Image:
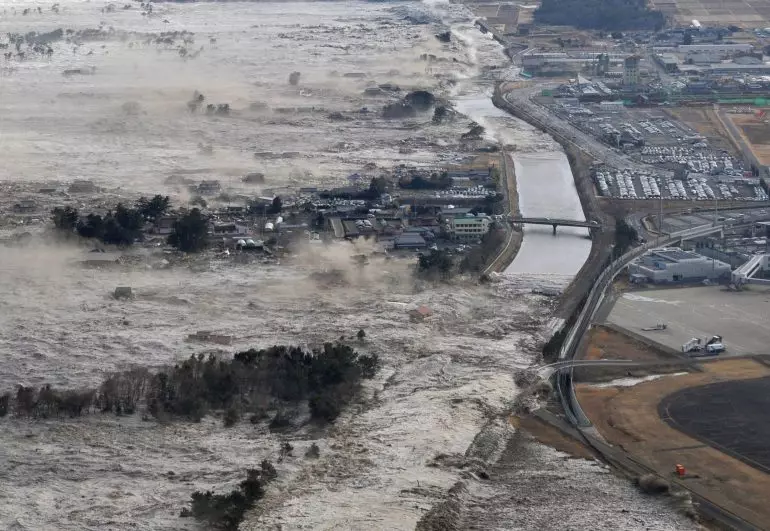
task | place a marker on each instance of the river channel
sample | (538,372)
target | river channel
(546,188)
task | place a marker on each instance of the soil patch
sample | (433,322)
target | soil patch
(731,416)
(629,419)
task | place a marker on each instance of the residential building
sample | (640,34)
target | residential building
(228,230)
(165,225)
(468,226)
(25,206)
(209,188)
(82,187)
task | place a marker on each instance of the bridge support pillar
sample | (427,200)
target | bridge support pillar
(554,229)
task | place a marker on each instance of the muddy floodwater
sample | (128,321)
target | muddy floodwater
(110,104)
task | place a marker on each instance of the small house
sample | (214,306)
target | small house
(82,187)
(209,188)
(164,225)
(420,313)
(25,206)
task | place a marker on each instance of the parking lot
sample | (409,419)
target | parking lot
(701,173)
(699,312)
(629,184)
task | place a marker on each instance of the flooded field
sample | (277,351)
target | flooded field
(437,411)
(120,116)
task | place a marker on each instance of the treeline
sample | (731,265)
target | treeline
(122,226)
(125,225)
(436,181)
(226,511)
(253,381)
(610,15)
(479,258)
(438,264)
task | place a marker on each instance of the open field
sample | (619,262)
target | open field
(628,417)
(746,14)
(755,132)
(740,317)
(703,120)
(722,415)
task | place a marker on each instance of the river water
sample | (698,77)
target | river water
(544,179)
(546,188)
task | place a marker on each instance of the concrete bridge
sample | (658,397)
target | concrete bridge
(556,222)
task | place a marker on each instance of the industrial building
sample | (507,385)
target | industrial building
(669,265)
(631,70)
(722,49)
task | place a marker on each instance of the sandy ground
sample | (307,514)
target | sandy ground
(739,317)
(628,417)
(705,122)
(755,132)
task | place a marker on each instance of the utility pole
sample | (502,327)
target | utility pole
(716,220)
(660,217)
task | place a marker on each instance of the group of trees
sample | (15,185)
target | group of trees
(478,258)
(610,15)
(226,511)
(438,264)
(190,232)
(625,237)
(124,225)
(436,181)
(121,226)
(251,382)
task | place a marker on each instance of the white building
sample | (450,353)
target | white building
(675,265)
(468,226)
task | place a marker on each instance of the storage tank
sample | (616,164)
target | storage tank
(268,227)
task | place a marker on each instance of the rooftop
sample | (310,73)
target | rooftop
(677,255)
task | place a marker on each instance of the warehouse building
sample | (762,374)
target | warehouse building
(669,265)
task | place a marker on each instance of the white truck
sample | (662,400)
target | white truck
(715,345)
(692,345)
(712,346)
(715,348)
